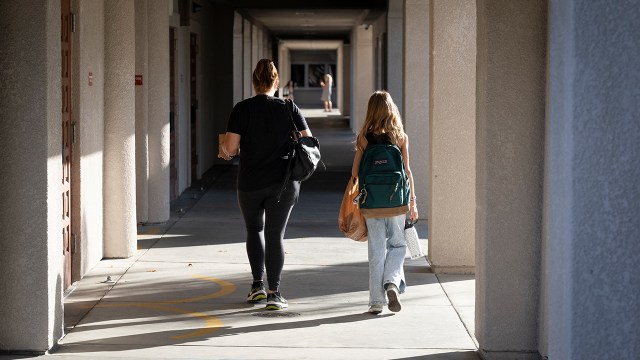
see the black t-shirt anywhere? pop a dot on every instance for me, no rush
(265, 138)
(377, 139)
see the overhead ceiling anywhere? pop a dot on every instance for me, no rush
(308, 19)
(309, 23)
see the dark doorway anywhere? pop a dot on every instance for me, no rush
(194, 106)
(173, 170)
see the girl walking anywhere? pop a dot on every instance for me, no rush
(326, 84)
(387, 245)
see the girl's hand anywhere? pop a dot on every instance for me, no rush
(413, 210)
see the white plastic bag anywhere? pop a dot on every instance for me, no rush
(413, 242)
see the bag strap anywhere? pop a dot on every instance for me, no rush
(294, 139)
(289, 105)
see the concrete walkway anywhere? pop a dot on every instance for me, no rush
(183, 295)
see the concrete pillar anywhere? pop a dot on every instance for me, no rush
(159, 142)
(142, 113)
(31, 134)
(182, 122)
(345, 82)
(416, 95)
(340, 75)
(453, 137)
(264, 45)
(283, 65)
(237, 58)
(119, 140)
(89, 145)
(255, 56)
(395, 52)
(268, 46)
(592, 193)
(261, 45)
(246, 60)
(362, 84)
(510, 150)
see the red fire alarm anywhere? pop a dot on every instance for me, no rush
(138, 80)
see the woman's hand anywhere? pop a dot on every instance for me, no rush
(229, 146)
(222, 155)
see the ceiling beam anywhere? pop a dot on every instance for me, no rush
(301, 4)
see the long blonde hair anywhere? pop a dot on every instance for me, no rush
(328, 80)
(382, 117)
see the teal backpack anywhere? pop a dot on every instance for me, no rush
(383, 182)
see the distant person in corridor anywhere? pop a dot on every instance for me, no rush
(287, 90)
(259, 132)
(326, 84)
(385, 226)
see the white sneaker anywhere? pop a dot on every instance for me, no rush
(394, 299)
(376, 309)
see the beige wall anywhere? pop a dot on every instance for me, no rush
(345, 84)
(592, 194)
(30, 130)
(395, 52)
(142, 113)
(452, 137)
(158, 105)
(119, 153)
(362, 74)
(89, 146)
(416, 95)
(510, 153)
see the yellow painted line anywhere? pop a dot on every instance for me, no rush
(150, 231)
(226, 288)
(212, 323)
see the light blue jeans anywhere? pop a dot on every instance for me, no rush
(387, 250)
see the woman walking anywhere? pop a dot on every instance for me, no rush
(259, 131)
(387, 245)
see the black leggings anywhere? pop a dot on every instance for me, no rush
(266, 220)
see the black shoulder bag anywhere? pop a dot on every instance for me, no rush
(304, 156)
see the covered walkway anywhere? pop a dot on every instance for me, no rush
(523, 121)
(182, 295)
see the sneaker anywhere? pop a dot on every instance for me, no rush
(257, 293)
(275, 301)
(375, 309)
(394, 300)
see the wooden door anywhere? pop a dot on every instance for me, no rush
(67, 140)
